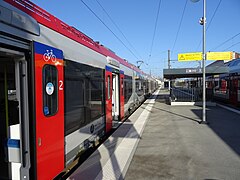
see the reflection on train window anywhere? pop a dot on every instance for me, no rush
(83, 95)
(95, 99)
(74, 102)
(140, 84)
(50, 90)
(108, 88)
(127, 88)
(122, 86)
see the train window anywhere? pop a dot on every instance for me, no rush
(108, 88)
(74, 103)
(139, 86)
(95, 99)
(50, 90)
(83, 95)
(127, 88)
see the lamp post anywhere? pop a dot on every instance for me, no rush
(203, 63)
(203, 23)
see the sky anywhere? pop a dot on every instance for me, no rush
(144, 30)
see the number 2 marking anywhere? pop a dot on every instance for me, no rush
(61, 85)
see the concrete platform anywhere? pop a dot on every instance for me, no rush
(173, 145)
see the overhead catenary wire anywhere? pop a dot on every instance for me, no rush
(108, 28)
(210, 21)
(213, 15)
(231, 46)
(226, 41)
(179, 25)
(118, 28)
(154, 32)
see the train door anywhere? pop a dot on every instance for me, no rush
(114, 97)
(233, 90)
(14, 120)
(49, 111)
(121, 95)
(108, 97)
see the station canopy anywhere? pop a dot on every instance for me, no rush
(218, 67)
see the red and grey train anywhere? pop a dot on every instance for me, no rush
(60, 91)
(226, 87)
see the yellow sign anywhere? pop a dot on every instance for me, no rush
(219, 55)
(190, 56)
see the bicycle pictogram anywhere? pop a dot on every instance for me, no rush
(49, 56)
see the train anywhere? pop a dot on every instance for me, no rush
(60, 92)
(225, 88)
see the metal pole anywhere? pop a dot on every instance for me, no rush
(169, 65)
(6, 99)
(169, 84)
(203, 62)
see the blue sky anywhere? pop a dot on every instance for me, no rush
(136, 19)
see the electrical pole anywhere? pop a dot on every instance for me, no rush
(203, 63)
(169, 59)
(169, 66)
(203, 23)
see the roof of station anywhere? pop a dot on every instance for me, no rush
(218, 67)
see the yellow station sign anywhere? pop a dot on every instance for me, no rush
(220, 55)
(196, 56)
(190, 56)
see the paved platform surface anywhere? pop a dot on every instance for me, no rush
(160, 141)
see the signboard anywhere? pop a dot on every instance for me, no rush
(113, 62)
(194, 70)
(196, 56)
(220, 55)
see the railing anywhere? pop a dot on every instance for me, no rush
(181, 94)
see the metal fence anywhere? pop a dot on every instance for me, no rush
(181, 94)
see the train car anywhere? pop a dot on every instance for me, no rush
(60, 92)
(234, 85)
(226, 87)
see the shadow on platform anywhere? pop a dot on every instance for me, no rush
(223, 122)
(92, 168)
(226, 125)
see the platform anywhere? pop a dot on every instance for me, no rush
(160, 141)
